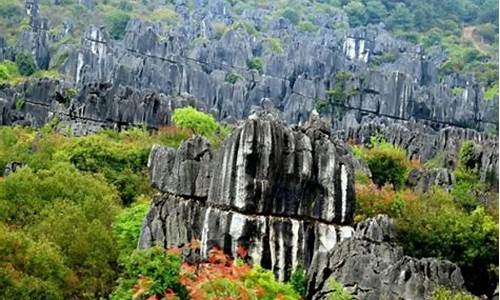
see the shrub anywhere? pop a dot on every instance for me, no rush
(467, 157)
(445, 294)
(233, 77)
(30, 269)
(121, 164)
(197, 121)
(149, 272)
(222, 278)
(491, 92)
(274, 45)
(8, 71)
(164, 15)
(372, 201)
(117, 23)
(291, 15)
(298, 280)
(25, 64)
(307, 26)
(338, 292)
(388, 163)
(457, 91)
(127, 227)
(220, 28)
(469, 239)
(255, 64)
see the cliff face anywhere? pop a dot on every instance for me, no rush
(288, 192)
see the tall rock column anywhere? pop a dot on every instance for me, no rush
(288, 192)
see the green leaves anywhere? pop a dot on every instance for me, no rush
(199, 122)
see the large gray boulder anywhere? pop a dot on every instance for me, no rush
(286, 191)
(371, 266)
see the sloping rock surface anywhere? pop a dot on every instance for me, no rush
(370, 266)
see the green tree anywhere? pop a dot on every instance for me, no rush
(127, 227)
(156, 268)
(197, 121)
(400, 18)
(291, 15)
(25, 64)
(387, 163)
(117, 23)
(376, 11)
(31, 269)
(357, 13)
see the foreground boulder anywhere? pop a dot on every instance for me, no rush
(371, 266)
(286, 192)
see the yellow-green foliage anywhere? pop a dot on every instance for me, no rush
(220, 29)
(192, 119)
(64, 203)
(491, 92)
(31, 269)
(387, 163)
(445, 294)
(274, 45)
(338, 292)
(164, 15)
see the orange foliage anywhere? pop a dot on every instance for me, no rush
(371, 200)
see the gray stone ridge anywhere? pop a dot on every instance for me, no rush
(287, 191)
(371, 266)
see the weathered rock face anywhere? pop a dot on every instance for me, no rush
(424, 142)
(370, 266)
(288, 191)
(423, 179)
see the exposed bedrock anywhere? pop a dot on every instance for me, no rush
(287, 190)
(424, 142)
(371, 266)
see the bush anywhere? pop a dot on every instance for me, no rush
(164, 15)
(491, 92)
(291, 15)
(122, 165)
(149, 272)
(298, 280)
(469, 239)
(457, 91)
(30, 269)
(222, 278)
(307, 26)
(127, 227)
(25, 64)
(117, 23)
(388, 163)
(274, 45)
(199, 122)
(233, 77)
(372, 201)
(255, 64)
(445, 294)
(338, 292)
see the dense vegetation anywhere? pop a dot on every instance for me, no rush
(456, 225)
(70, 214)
